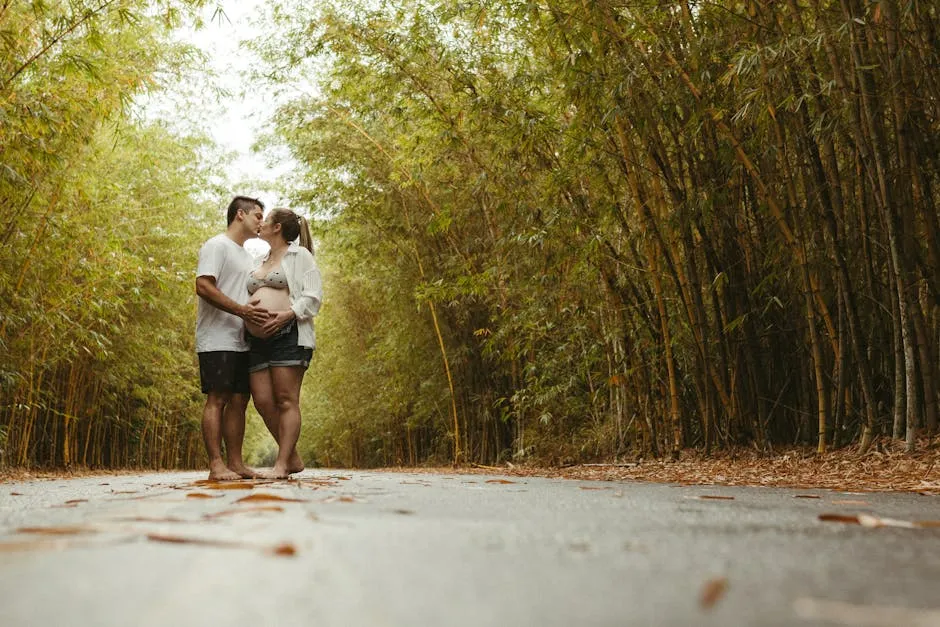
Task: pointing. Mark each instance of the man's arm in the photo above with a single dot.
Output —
(207, 289)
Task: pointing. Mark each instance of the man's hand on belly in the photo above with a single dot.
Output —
(255, 314)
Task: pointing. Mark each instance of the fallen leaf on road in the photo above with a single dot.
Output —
(56, 531)
(874, 522)
(404, 512)
(712, 591)
(268, 497)
(245, 510)
(154, 519)
(499, 481)
(842, 518)
(841, 613)
(284, 550)
(341, 499)
(806, 496)
(16, 494)
(72, 503)
(202, 495)
(590, 487)
(850, 502)
(716, 497)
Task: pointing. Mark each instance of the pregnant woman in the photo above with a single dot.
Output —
(287, 283)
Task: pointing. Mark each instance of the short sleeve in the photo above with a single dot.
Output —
(211, 258)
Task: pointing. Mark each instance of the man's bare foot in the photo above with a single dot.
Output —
(295, 464)
(218, 471)
(244, 471)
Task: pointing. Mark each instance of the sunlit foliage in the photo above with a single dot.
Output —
(625, 229)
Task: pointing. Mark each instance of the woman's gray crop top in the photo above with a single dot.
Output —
(275, 278)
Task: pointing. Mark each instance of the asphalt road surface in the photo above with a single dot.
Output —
(336, 548)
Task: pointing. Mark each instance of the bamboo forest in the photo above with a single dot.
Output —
(550, 231)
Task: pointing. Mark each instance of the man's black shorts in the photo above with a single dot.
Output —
(224, 371)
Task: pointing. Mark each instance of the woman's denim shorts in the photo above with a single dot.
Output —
(279, 350)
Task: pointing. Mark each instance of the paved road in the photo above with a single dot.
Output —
(381, 549)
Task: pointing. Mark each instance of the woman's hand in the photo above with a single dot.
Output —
(254, 314)
(276, 320)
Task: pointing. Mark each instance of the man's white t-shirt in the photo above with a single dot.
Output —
(229, 263)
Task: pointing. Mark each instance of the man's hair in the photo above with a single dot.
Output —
(242, 203)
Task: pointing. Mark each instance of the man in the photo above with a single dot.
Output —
(221, 283)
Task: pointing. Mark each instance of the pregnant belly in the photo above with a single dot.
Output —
(271, 299)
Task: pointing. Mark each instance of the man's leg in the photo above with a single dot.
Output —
(212, 435)
(233, 433)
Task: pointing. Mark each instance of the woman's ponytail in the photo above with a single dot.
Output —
(305, 240)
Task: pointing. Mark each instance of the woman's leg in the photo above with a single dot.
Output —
(286, 382)
(262, 395)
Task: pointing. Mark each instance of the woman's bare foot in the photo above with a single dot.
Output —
(244, 471)
(295, 464)
(218, 471)
(276, 473)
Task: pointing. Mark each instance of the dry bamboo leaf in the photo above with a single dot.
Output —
(154, 519)
(245, 510)
(806, 496)
(276, 550)
(284, 550)
(716, 497)
(712, 591)
(341, 499)
(404, 512)
(72, 503)
(842, 518)
(268, 497)
(159, 537)
(202, 495)
(55, 531)
(502, 481)
(16, 494)
(873, 522)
